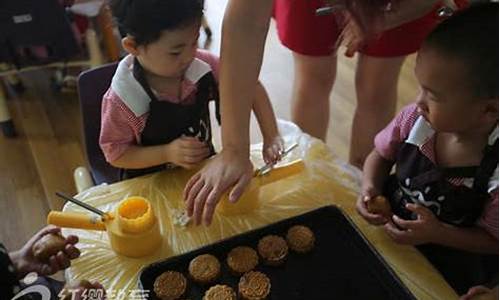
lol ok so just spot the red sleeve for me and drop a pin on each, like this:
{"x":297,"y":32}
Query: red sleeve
{"x":120,"y":128}
{"x":388,"y":141}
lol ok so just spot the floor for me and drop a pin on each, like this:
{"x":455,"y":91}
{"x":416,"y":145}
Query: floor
{"x":42,"y":158}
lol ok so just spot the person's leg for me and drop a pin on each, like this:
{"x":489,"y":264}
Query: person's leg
{"x":376,"y":90}
{"x":313,"y":82}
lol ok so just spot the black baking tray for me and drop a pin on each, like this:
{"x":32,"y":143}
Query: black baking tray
{"x":343,"y":265}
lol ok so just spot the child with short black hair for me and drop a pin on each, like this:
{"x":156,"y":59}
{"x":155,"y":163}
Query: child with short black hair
{"x":444,"y":192}
{"x":156,"y":111}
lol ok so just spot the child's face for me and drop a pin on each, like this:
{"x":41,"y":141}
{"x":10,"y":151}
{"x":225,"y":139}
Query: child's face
{"x":446,"y":100}
{"x":172,"y":53}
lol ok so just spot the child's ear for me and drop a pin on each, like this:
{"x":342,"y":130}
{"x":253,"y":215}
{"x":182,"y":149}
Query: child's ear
{"x":130,"y":45}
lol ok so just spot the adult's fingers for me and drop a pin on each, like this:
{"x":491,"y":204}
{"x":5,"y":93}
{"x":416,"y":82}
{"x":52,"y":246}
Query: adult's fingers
{"x":54,"y":265}
{"x":350,"y":50}
{"x":353,"y":46}
{"x":199,"y":203}
{"x":63,"y":261}
{"x":193,"y":193}
{"x":189,"y":185}
{"x":72,"y":239}
{"x":44,"y":231}
{"x":212,"y":201}
{"x":49,"y":229}
{"x":71,"y":251}
{"x":239,"y":188}
{"x":45,"y":270}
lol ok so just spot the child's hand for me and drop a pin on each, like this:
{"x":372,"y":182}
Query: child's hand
{"x":186,"y":152}
{"x":25,"y":261}
{"x":425,"y":229}
{"x":366,"y":195}
{"x":272,"y":149}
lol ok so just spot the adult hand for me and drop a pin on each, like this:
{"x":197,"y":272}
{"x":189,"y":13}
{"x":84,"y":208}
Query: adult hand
{"x":25,"y":261}
{"x":204,"y":190}
{"x":353,"y":36}
{"x":425,"y":229}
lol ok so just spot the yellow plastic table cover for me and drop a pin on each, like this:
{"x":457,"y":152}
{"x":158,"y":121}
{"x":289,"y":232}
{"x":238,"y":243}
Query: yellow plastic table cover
{"x":325,"y":181}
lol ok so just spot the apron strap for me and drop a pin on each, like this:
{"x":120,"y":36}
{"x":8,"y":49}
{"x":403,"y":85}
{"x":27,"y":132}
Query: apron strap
{"x":140,"y":76}
{"x":426,"y":177}
{"x":481,"y":173}
{"x":466,"y":172}
{"x":208,"y":82}
{"x":486,"y":168}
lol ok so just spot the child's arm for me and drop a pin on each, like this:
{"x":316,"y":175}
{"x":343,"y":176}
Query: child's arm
{"x":375,"y":172}
{"x":473,"y":239}
{"x":428,"y":229}
{"x":273,"y":144}
{"x":186,"y":152}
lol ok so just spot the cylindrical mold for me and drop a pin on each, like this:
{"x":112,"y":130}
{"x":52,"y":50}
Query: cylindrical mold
{"x":134,"y":232}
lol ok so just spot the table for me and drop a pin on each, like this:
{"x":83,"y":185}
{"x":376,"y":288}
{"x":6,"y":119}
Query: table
{"x":325,"y":181}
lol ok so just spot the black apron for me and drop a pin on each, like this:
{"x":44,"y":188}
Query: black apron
{"x":418,"y":180}
{"x":168,"y":121}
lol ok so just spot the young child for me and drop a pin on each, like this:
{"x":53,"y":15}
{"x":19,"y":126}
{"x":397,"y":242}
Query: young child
{"x":444,"y":192}
{"x":156,"y":111}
